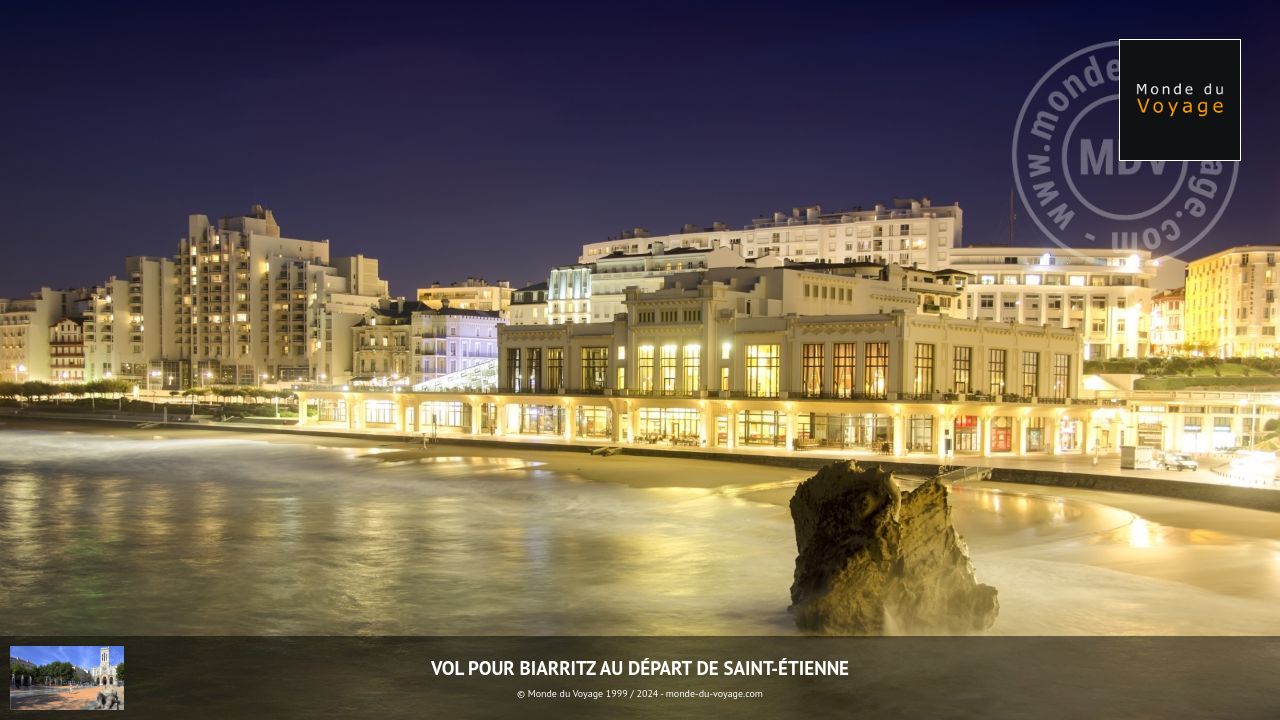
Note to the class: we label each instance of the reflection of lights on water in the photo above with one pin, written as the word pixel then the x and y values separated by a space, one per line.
pixel 1143 534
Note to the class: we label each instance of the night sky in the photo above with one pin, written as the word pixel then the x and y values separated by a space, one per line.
pixel 488 140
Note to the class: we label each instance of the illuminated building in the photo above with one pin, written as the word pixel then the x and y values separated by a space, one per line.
pixel 528 305
pixel 130 326
pixel 1168 335
pixel 470 294
pixel 257 307
pixel 1231 306
pixel 25 352
pixel 403 342
pixel 66 351
pixel 912 232
pixel 776 358
pixel 1107 294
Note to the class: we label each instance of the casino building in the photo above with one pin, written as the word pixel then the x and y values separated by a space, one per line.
pixel 776 357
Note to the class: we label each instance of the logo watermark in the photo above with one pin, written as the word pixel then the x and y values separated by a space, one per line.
pixel 1076 189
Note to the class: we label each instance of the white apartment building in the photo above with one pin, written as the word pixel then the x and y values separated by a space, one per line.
pixel 25 332
pixel 596 291
pixel 403 343
pixel 529 305
pixel 470 294
pixel 569 298
pixel 257 307
pixel 1168 335
pixel 912 232
pixel 1231 308
pixel 130 326
pixel 1106 293
pixel 338 312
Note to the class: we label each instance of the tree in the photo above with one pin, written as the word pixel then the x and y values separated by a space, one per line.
pixel 120 672
pixel 1177 365
pixel 33 389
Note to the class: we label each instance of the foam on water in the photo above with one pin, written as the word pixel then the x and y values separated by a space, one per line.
pixel 237 536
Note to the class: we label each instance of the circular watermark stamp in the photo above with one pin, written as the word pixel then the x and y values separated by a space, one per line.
pixel 1073 183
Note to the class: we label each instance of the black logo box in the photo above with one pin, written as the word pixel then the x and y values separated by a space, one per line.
pixel 1187 68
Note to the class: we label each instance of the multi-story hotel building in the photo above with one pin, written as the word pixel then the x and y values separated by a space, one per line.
pixel 25 351
pixel 256 307
pixel 1168 336
pixel 1033 285
pixel 470 294
pixel 912 232
pixel 130 326
pixel 1106 293
pixel 1231 306
pixel 401 343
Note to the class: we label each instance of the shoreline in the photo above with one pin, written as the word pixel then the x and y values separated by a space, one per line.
pixel 1266 499
pixel 770 484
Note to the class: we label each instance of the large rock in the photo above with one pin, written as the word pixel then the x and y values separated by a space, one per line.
pixel 873 561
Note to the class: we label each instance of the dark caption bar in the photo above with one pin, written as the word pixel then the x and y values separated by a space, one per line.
pixel 558 677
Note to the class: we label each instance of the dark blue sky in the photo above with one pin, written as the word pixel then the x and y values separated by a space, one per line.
pixel 494 140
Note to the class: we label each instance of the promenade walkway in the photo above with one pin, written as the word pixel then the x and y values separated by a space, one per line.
pixel 1108 465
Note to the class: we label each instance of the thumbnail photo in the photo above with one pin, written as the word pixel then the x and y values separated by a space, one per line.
pixel 66 677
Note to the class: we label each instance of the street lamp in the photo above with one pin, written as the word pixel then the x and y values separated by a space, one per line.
pixel 154 377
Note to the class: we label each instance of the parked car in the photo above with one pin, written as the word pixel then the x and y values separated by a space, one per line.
pixel 1179 461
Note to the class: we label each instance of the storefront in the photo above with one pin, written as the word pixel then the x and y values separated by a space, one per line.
pixel 535 419
pixel 1193 437
pixel 765 427
pixel 845 430
pixel 968 438
pixel 1002 434
pixel 1150 426
pixel 681 426
pixel 1036 441
pixel 1070 435
pixel 379 413
pixel 449 416
pixel 920 433
pixel 488 418
pixel 1224 434
pixel 594 421
pixel 331 411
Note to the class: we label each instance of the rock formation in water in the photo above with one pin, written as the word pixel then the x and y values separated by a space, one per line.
pixel 871 557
